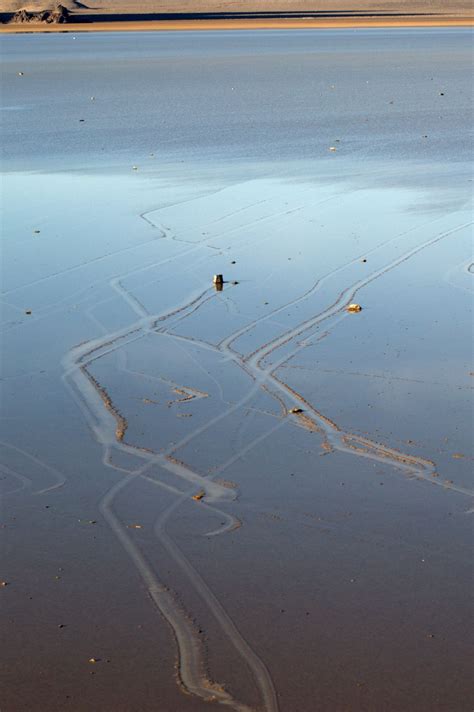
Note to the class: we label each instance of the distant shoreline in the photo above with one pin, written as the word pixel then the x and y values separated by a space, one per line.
pixel 140 25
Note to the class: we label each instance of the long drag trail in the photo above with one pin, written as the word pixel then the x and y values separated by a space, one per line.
pixel 109 427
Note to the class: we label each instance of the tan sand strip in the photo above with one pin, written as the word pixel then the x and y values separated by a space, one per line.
pixel 245 24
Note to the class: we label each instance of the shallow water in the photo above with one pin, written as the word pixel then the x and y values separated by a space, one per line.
pixel 325 564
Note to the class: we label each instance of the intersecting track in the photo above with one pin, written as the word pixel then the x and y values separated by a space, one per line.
pixel 109 427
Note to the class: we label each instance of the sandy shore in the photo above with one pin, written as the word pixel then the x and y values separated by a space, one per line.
pixel 244 24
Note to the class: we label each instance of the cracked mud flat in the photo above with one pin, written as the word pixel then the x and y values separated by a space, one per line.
pixel 247 498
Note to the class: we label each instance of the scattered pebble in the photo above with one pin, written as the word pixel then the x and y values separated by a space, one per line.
pixel 36 232
pixel 3 583
pixel 354 308
pixel 134 168
pixel 198 496
pixel 94 660
pixel 28 312
pixel 332 148
pixel 296 410
pixel 20 74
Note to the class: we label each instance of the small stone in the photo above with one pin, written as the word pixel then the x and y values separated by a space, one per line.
pixel 354 308
pixel 94 660
pixel 296 410
pixel 3 583
pixel 28 312
pixel 20 74
pixel 199 496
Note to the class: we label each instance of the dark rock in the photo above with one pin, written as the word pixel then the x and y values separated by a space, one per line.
pixel 58 15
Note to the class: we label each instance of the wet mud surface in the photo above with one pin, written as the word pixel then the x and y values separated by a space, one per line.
pixel 248 497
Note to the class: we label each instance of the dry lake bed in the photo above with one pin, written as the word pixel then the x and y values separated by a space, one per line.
pixel 243 496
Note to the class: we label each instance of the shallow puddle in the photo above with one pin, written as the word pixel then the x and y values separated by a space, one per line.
pixel 247 494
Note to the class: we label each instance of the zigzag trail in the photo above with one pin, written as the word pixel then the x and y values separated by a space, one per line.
pixel 110 427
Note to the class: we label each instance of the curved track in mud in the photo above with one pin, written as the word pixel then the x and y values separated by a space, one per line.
pixel 109 427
